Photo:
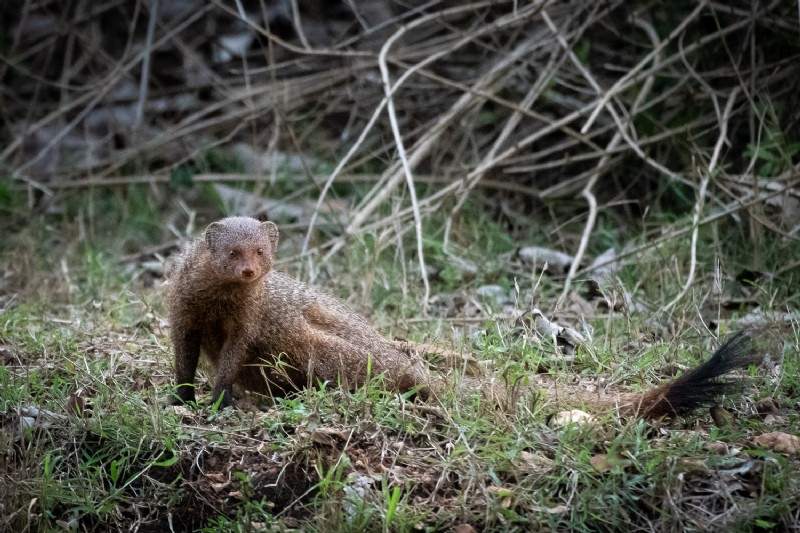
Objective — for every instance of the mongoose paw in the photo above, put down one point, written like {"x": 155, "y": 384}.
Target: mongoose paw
{"x": 173, "y": 402}
{"x": 223, "y": 398}
{"x": 184, "y": 395}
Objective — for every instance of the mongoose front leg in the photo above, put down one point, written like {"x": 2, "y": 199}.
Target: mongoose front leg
{"x": 187, "y": 354}
{"x": 231, "y": 361}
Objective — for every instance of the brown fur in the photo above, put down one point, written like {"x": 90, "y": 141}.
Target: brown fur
{"x": 264, "y": 330}
{"x": 699, "y": 387}
{"x": 270, "y": 333}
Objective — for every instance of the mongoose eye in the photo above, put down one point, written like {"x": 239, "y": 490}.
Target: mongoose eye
{"x": 233, "y": 253}
{"x": 260, "y": 251}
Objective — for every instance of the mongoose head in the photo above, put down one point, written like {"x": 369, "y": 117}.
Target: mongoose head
{"x": 242, "y": 248}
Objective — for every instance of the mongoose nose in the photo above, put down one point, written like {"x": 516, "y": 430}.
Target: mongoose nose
{"x": 247, "y": 272}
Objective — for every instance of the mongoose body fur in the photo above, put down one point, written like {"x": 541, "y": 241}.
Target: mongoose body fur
{"x": 264, "y": 330}
{"x": 226, "y": 303}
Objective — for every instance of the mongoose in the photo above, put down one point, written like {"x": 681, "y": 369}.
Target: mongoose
{"x": 226, "y": 302}
{"x": 264, "y": 330}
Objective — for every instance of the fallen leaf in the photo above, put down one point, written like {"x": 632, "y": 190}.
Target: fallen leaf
{"x": 604, "y": 463}
{"x": 767, "y": 406}
{"x": 600, "y": 462}
{"x": 533, "y": 462}
{"x": 182, "y": 410}
{"x": 500, "y": 491}
{"x": 219, "y": 487}
{"x": 722, "y": 418}
{"x": 780, "y": 442}
{"x": 692, "y": 466}
{"x": 77, "y": 406}
{"x": 563, "y": 336}
{"x": 329, "y": 436}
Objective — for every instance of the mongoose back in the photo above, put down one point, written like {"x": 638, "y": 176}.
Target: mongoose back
{"x": 226, "y": 303}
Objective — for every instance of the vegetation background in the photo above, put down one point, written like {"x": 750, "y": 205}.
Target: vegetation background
{"x": 569, "y": 196}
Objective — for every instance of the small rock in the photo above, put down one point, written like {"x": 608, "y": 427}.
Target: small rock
{"x": 575, "y": 416}
{"x": 26, "y": 423}
{"x": 717, "y": 446}
{"x": 44, "y": 417}
{"x": 770, "y": 420}
{"x": 559, "y": 261}
{"x": 604, "y": 265}
{"x": 29, "y": 410}
{"x": 496, "y": 293}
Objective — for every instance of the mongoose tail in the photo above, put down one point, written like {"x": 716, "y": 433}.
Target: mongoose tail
{"x": 699, "y": 387}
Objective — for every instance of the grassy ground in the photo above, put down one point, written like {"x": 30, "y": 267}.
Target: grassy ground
{"x": 88, "y": 444}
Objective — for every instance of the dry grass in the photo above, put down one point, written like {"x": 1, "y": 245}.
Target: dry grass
{"x": 409, "y": 155}
{"x": 557, "y": 98}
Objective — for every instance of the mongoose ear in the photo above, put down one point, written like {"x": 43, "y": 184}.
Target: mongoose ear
{"x": 211, "y": 233}
{"x": 271, "y": 231}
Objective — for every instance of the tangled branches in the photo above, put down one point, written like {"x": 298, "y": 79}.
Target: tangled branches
{"x": 540, "y": 102}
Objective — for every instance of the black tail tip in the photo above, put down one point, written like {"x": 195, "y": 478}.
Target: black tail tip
{"x": 705, "y": 384}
